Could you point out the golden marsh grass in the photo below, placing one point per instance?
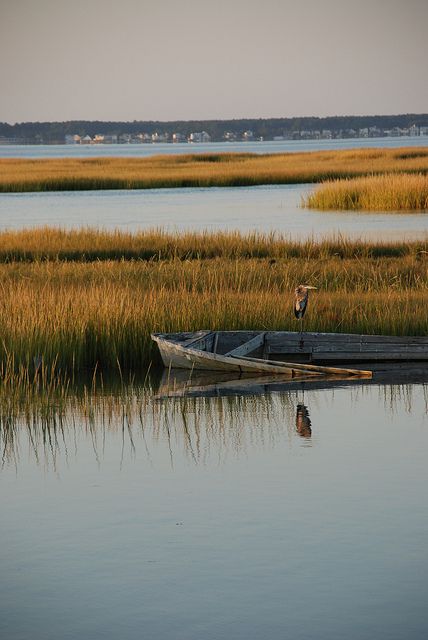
(205, 170)
(70, 316)
(393, 192)
(89, 244)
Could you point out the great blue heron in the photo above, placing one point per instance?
(301, 295)
(301, 299)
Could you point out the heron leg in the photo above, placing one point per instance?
(301, 341)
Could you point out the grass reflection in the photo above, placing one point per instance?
(51, 424)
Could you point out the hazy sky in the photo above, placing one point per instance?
(200, 59)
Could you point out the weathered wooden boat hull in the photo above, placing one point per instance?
(176, 356)
(287, 353)
(307, 347)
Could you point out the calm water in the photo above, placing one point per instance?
(142, 150)
(294, 514)
(265, 208)
(297, 514)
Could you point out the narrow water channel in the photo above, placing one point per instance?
(263, 208)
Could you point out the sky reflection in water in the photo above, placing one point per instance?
(293, 514)
(247, 209)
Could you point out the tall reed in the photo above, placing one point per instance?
(68, 317)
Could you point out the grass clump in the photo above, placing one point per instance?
(393, 192)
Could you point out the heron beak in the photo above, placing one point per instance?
(309, 287)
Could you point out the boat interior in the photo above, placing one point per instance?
(305, 347)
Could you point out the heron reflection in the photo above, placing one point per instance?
(303, 421)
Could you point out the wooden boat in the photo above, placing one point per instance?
(285, 353)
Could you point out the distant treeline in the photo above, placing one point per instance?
(267, 128)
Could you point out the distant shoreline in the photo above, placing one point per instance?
(422, 138)
(205, 131)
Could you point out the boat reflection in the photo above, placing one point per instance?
(196, 417)
(182, 383)
(187, 383)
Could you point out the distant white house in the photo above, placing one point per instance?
(72, 139)
(375, 132)
(395, 132)
(159, 137)
(86, 140)
(200, 136)
(229, 136)
(105, 138)
(144, 137)
(178, 137)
